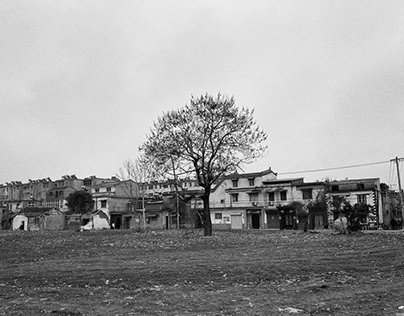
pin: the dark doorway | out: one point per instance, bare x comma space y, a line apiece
255, 221
84, 221
167, 219
116, 221
288, 221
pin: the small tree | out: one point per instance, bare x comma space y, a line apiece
80, 202
357, 215
207, 139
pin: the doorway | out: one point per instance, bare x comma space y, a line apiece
255, 221
116, 221
288, 220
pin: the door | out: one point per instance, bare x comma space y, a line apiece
318, 222
272, 221
288, 221
255, 221
236, 222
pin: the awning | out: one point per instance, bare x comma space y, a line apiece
253, 211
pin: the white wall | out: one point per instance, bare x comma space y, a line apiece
18, 219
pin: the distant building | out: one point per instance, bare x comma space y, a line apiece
41, 193
35, 218
118, 199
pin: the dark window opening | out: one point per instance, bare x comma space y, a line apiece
283, 195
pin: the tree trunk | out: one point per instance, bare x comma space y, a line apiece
207, 227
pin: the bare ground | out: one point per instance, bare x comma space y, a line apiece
184, 273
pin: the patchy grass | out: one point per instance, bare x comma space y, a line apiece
184, 273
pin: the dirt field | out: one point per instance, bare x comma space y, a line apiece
184, 273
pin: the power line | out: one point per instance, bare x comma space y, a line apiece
337, 168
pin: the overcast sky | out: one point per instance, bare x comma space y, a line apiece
81, 82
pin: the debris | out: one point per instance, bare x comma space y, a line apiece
291, 310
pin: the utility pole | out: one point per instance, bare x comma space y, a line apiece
399, 186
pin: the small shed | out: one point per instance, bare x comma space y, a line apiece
20, 221
98, 220
39, 218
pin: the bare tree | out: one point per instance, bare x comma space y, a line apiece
207, 139
135, 175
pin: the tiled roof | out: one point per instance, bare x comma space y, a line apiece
35, 211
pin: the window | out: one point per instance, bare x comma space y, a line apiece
97, 190
283, 195
87, 183
226, 219
108, 189
271, 196
30, 204
334, 188
103, 203
235, 183
222, 201
253, 197
307, 194
234, 197
360, 186
251, 182
362, 198
218, 216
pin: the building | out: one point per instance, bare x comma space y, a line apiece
172, 204
353, 191
239, 201
262, 201
39, 218
118, 199
391, 205
16, 195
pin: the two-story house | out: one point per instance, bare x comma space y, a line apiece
365, 191
237, 200
121, 200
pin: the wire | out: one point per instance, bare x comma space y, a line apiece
337, 168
